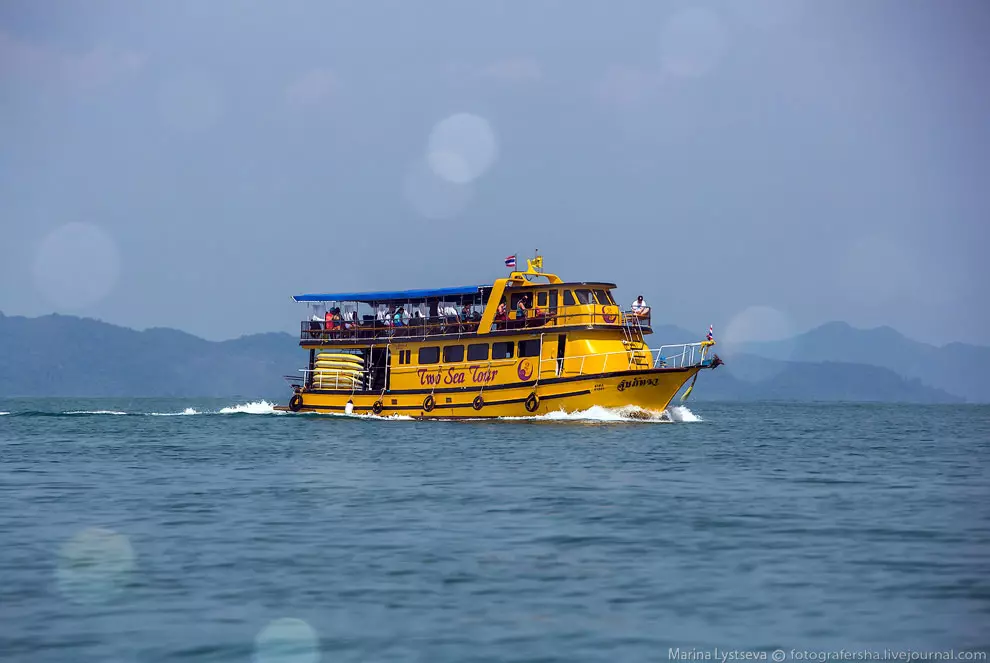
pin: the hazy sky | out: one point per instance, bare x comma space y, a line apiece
760, 165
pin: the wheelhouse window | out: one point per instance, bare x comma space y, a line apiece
604, 298
529, 348
430, 355
501, 351
541, 299
453, 353
584, 296
568, 298
478, 352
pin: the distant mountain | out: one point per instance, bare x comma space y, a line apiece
957, 368
59, 355
750, 378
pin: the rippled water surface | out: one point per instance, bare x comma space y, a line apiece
229, 533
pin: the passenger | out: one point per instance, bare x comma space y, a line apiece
521, 307
465, 318
501, 316
397, 319
640, 308
539, 317
328, 319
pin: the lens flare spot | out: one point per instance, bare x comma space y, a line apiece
287, 640
94, 565
461, 148
76, 266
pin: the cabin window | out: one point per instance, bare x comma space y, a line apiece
584, 296
453, 353
501, 350
529, 348
604, 298
478, 352
568, 298
541, 298
429, 355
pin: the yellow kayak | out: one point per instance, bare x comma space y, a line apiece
339, 356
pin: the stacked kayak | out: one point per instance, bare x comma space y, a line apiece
338, 370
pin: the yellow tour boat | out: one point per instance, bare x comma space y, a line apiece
472, 352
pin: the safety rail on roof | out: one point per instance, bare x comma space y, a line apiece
314, 332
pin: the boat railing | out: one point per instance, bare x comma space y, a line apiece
677, 355
370, 328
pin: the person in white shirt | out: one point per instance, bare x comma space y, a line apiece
640, 308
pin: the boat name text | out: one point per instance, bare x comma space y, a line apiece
638, 382
429, 376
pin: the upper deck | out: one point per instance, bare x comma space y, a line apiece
381, 317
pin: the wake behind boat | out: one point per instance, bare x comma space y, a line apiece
525, 345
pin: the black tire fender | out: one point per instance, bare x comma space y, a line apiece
532, 403
296, 402
478, 402
377, 407
429, 403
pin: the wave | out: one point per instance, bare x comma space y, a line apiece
254, 407
4, 413
114, 412
188, 411
681, 413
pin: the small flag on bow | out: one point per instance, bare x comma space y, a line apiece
711, 332
510, 261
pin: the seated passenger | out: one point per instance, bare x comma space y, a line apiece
640, 308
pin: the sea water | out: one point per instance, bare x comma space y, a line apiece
197, 530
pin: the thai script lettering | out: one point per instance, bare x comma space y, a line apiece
638, 382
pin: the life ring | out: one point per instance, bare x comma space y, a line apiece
296, 402
532, 403
478, 402
377, 407
429, 403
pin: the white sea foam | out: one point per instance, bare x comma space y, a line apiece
254, 407
94, 412
188, 411
683, 414
629, 413
3, 413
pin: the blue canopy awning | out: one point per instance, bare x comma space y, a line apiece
389, 295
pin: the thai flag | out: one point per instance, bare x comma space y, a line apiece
510, 261
711, 332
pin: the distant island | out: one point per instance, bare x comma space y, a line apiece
67, 356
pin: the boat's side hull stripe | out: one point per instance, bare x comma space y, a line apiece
448, 405
516, 385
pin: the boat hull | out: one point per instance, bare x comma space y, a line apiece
650, 389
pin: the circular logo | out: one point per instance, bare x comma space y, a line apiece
609, 317
525, 370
